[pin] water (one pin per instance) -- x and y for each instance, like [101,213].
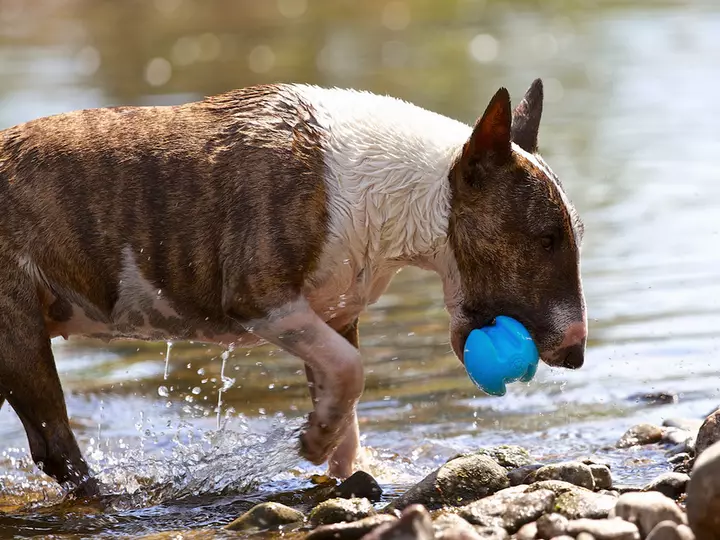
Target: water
[630,126]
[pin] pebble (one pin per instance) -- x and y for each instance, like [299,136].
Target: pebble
[602,476]
[337,510]
[509,509]
[414,524]
[350,531]
[604,529]
[670,484]
[669,530]
[359,485]
[639,435]
[574,472]
[527,532]
[551,525]
[265,516]
[582,503]
[523,475]
[646,510]
[703,495]
[450,525]
[458,482]
[709,433]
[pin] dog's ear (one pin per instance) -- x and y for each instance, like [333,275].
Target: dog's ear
[490,142]
[526,118]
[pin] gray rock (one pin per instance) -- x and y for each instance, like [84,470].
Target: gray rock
[646,510]
[670,484]
[523,475]
[639,435]
[527,531]
[655,398]
[602,476]
[624,488]
[582,503]
[460,481]
[551,525]
[337,510]
[604,529]
[703,495]
[414,524]
[509,509]
[669,530]
[688,424]
[359,485]
[450,525]
[680,437]
[709,433]
[558,487]
[350,531]
[508,455]
[266,516]
[574,472]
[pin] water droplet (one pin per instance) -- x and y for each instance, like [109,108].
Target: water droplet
[196,390]
[163,391]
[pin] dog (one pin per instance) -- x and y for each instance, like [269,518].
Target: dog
[272,214]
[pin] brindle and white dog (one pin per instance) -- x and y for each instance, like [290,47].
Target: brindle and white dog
[272,214]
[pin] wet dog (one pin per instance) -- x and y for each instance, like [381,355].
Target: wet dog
[272,214]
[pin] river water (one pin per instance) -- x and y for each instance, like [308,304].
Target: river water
[630,126]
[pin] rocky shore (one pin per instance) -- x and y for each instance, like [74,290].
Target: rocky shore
[502,493]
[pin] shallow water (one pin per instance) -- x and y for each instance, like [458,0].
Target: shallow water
[630,126]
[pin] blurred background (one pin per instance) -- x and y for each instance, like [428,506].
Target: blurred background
[630,126]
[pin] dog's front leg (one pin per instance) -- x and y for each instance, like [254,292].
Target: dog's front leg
[336,369]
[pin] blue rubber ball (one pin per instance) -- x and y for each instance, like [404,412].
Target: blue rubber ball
[500,353]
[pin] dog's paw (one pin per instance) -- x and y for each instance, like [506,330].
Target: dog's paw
[318,440]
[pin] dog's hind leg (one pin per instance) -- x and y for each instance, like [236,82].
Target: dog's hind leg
[30,382]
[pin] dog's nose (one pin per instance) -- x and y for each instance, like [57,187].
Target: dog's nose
[572,357]
[571,352]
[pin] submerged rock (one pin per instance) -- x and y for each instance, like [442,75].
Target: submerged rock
[670,484]
[703,495]
[510,508]
[350,530]
[459,481]
[709,433]
[640,435]
[575,472]
[646,510]
[337,510]
[266,516]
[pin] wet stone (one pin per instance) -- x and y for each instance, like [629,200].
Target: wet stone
[459,481]
[524,474]
[582,503]
[558,487]
[338,510]
[703,495]
[640,435]
[451,525]
[709,433]
[508,455]
[646,510]
[670,484]
[509,509]
[350,530]
[551,525]
[669,530]
[601,475]
[265,516]
[688,424]
[359,485]
[414,524]
[574,472]
[604,529]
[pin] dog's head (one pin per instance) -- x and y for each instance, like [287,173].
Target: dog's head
[514,236]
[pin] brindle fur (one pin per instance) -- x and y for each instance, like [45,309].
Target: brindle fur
[208,197]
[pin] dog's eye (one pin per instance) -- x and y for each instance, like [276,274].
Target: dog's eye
[547,242]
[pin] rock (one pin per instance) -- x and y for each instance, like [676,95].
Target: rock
[527,532]
[670,484]
[624,488]
[266,516]
[359,485]
[677,436]
[184,534]
[688,424]
[604,529]
[709,433]
[509,509]
[570,471]
[602,476]
[551,525]
[563,537]
[640,434]
[558,487]
[655,398]
[584,536]
[460,481]
[350,531]
[669,530]
[337,510]
[414,524]
[524,474]
[647,510]
[508,455]
[703,495]
[450,525]
[583,503]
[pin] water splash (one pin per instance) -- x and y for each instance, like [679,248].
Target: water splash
[167,359]
[227,382]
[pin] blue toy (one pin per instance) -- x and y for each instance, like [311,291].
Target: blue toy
[500,353]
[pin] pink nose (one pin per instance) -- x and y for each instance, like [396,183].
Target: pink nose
[571,352]
[576,334]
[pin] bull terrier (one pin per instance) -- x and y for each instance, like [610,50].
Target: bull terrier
[272,214]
